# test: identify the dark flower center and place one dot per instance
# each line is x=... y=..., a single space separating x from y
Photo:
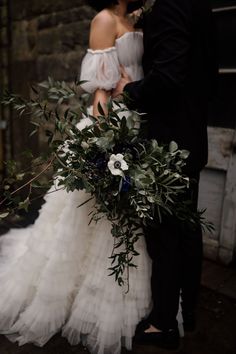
x=117 y=164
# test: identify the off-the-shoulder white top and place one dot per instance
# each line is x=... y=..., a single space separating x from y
x=101 y=68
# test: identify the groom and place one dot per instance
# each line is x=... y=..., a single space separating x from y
x=179 y=78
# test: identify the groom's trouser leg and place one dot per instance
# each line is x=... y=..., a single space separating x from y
x=176 y=253
x=163 y=244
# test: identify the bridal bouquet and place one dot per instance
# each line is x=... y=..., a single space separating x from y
x=132 y=181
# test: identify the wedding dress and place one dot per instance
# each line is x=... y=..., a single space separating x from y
x=54 y=273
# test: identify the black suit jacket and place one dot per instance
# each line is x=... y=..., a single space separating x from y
x=180 y=75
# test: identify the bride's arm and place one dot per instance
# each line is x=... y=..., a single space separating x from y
x=103 y=33
x=100 y=96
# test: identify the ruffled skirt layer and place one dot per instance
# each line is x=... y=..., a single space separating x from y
x=54 y=277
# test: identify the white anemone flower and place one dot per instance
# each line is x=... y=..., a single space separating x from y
x=117 y=164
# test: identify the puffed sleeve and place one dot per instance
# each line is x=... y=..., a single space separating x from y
x=101 y=69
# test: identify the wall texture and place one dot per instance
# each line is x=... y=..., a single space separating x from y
x=4 y=78
x=49 y=37
x=39 y=38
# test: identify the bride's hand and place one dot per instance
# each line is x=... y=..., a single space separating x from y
x=124 y=80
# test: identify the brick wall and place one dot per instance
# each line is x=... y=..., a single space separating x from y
x=51 y=34
x=47 y=37
x=5 y=148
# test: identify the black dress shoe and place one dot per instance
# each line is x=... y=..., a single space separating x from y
x=165 y=339
x=142 y=326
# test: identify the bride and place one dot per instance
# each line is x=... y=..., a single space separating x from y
x=54 y=273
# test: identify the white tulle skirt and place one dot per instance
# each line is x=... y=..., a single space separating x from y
x=54 y=277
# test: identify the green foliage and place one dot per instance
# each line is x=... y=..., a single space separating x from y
x=132 y=181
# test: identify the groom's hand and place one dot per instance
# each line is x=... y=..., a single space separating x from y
x=124 y=80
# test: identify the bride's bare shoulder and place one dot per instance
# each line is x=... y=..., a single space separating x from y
x=104 y=18
x=103 y=30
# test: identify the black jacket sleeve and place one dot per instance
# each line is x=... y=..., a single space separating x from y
x=170 y=33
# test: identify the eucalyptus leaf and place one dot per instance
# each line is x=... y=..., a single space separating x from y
x=4 y=215
x=173 y=147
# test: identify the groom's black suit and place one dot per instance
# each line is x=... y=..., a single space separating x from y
x=180 y=76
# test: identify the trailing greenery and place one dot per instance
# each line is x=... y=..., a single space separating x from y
x=132 y=181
